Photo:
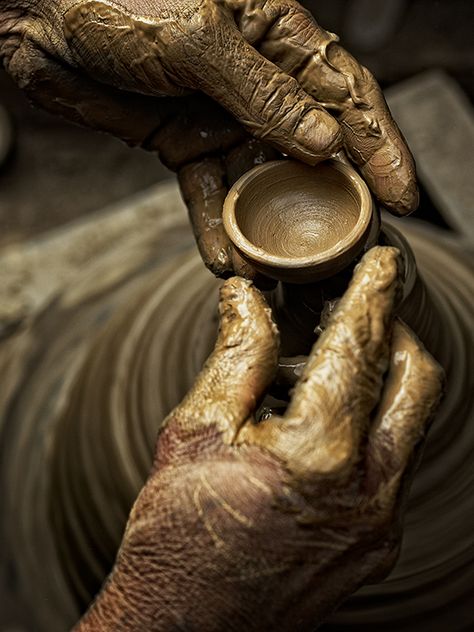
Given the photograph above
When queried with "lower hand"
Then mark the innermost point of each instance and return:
(270, 526)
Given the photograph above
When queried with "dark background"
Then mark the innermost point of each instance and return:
(58, 172)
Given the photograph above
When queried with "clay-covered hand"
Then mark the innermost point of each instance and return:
(268, 526)
(267, 69)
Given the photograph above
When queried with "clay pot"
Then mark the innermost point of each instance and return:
(297, 223)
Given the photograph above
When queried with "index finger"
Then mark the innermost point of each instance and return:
(342, 380)
(327, 72)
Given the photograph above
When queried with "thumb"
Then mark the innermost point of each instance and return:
(232, 381)
(269, 103)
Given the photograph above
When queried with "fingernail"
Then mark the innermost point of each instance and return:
(391, 175)
(405, 203)
(319, 136)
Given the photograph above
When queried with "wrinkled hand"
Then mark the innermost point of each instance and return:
(277, 75)
(245, 526)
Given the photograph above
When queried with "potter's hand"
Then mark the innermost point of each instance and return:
(269, 526)
(276, 73)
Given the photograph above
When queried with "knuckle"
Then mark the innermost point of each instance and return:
(340, 460)
(195, 37)
(336, 459)
(9, 38)
(274, 97)
(17, 60)
(281, 102)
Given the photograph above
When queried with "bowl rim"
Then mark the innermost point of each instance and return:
(263, 257)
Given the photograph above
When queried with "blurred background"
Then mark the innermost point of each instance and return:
(52, 172)
(57, 172)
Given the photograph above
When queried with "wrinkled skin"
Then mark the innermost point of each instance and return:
(245, 526)
(238, 82)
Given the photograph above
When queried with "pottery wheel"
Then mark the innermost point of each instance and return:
(95, 374)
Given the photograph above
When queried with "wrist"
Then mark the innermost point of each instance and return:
(116, 608)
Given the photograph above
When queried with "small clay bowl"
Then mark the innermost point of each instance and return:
(297, 223)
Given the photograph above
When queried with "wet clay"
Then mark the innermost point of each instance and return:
(268, 70)
(105, 428)
(95, 48)
(236, 489)
(299, 223)
(291, 228)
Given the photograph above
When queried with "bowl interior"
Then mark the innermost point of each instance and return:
(291, 210)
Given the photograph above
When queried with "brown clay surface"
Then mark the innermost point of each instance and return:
(299, 216)
(296, 222)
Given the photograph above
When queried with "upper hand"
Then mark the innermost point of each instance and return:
(277, 75)
(269, 526)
